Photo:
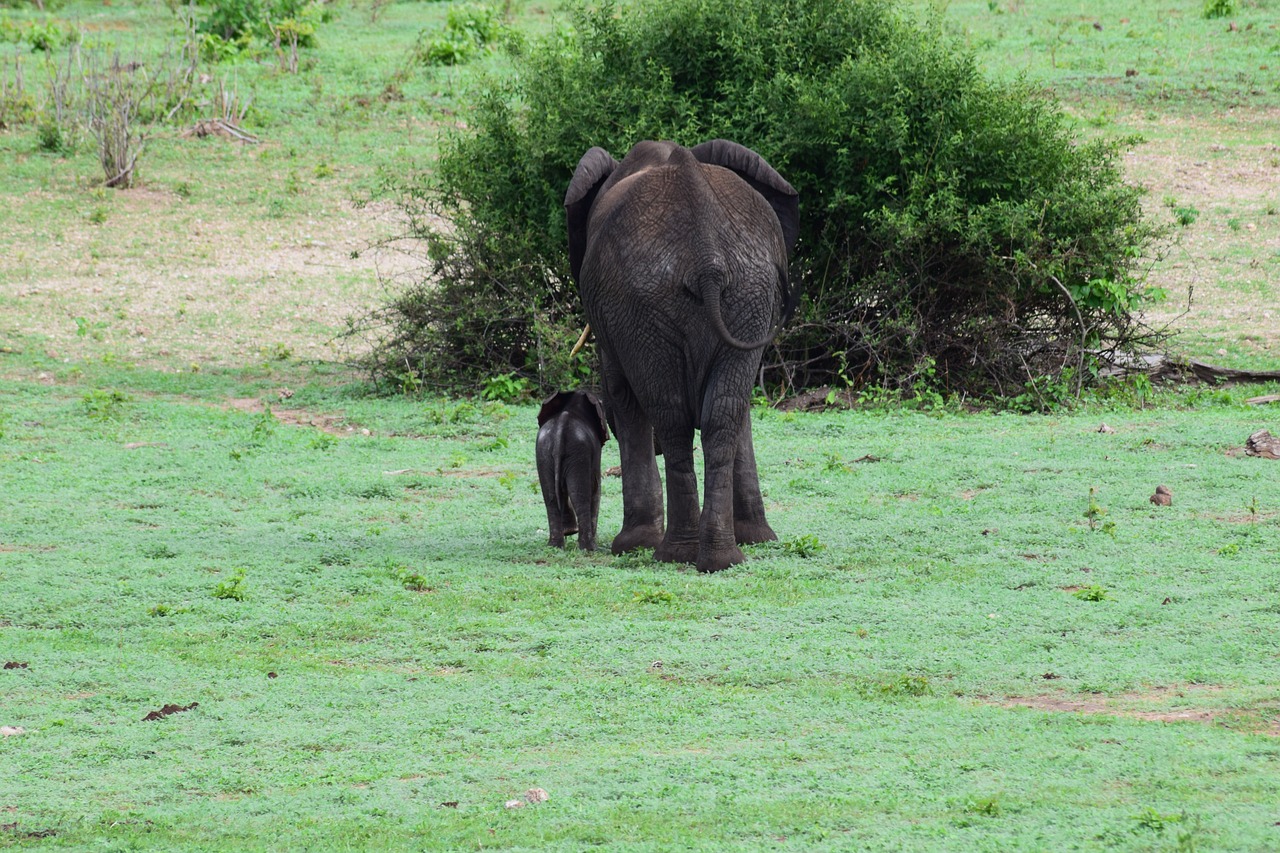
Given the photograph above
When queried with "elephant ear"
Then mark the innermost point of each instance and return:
(593, 170)
(553, 406)
(753, 169)
(601, 422)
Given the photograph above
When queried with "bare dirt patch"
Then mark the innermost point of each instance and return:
(334, 423)
(1161, 704)
(167, 283)
(1226, 170)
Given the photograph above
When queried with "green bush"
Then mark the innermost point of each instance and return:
(954, 230)
(232, 23)
(1218, 9)
(469, 29)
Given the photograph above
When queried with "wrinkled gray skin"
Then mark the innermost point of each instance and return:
(571, 430)
(681, 260)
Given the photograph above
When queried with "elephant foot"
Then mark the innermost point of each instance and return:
(676, 552)
(753, 532)
(556, 541)
(720, 559)
(586, 543)
(631, 538)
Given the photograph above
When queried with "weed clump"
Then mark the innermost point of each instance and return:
(955, 231)
(233, 588)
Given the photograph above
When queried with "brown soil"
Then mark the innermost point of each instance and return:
(332, 423)
(165, 283)
(1228, 169)
(1158, 705)
(174, 283)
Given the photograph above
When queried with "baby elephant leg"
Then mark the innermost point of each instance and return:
(584, 496)
(560, 518)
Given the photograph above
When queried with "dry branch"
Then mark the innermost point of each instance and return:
(220, 127)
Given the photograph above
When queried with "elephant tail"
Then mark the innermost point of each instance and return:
(550, 456)
(711, 290)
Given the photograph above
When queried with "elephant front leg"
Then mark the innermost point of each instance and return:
(749, 524)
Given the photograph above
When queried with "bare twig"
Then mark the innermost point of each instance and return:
(1084, 332)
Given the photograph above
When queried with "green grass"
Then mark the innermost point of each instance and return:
(1135, 55)
(384, 651)
(372, 626)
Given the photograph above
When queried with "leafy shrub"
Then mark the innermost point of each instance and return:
(114, 95)
(48, 36)
(1092, 593)
(102, 405)
(950, 224)
(230, 19)
(233, 23)
(17, 105)
(469, 29)
(50, 139)
(1218, 9)
(214, 48)
(804, 546)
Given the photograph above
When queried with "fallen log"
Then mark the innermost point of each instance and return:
(1263, 444)
(1161, 366)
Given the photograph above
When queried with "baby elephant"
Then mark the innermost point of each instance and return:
(571, 431)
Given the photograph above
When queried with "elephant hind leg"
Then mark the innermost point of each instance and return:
(717, 548)
(749, 524)
(567, 513)
(560, 520)
(680, 544)
(642, 516)
(586, 501)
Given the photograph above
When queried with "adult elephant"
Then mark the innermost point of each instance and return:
(680, 255)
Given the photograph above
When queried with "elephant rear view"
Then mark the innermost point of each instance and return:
(571, 429)
(680, 255)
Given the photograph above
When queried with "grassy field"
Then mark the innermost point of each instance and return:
(244, 605)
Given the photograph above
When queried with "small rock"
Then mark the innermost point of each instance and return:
(1162, 497)
(1106, 430)
(10, 731)
(515, 804)
(536, 795)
